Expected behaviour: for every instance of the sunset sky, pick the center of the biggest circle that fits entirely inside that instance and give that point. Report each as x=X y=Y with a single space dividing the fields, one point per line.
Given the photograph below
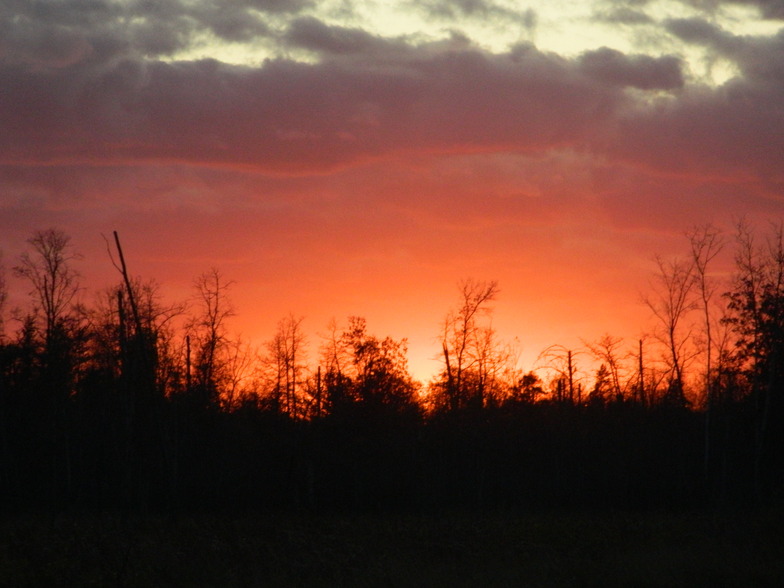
x=339 y=158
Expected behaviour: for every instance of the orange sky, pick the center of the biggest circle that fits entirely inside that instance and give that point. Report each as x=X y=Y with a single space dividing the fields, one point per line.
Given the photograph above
x=337 y=161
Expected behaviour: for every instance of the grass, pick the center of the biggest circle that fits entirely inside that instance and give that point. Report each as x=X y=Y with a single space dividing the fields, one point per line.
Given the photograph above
x=544 y=549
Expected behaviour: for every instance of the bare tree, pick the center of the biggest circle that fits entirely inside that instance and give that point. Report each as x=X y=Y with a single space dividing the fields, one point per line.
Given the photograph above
x=209 y=326
x=333 y=356
x=48 y=268
x=286 y=353
x=463 y=339
x=706 y=243
x=55 y=284
x=671 y=301
x=606 y=350
x=239 y=364
x=561 y=361
x=493 y=361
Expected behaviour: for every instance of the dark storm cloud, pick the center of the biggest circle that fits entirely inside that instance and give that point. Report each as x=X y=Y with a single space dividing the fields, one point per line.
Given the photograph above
x=638 y=71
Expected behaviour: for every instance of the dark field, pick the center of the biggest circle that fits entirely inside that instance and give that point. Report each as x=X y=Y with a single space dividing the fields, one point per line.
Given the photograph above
x=615 y=549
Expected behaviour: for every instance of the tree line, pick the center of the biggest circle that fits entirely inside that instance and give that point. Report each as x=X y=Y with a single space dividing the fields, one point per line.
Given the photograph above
x=132 y=401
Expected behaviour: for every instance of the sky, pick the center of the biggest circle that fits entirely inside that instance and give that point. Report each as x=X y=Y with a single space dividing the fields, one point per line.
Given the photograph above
x=338 y=158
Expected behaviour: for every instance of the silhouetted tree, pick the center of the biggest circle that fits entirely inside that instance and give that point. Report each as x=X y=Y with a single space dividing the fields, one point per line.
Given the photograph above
x=466 y=346
x=602 y=387
x=6 y=477
x=209 y=333
x=285 y=363
x=756 y=304
x=147 y=443
x=240 y=384
x=670 y=302
x=97 y=407
x=48 y=268
x=527 y=389
x=706 y=243
x=567 y=384
x=369 y=375
x=606 y=350
x=3 y=298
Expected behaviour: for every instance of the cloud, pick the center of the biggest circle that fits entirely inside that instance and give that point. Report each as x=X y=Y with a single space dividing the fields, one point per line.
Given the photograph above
x=623 y=15
x=461 y=8
x=760 y=59
x=458 y=11
x=734 y=132
x=286 y=115
x=770 y=9
x=276 y=6
x=637 y=71
x=699 y=31
x=55 y=34
x=310 y=33
x=773 y=9
x=92 y=94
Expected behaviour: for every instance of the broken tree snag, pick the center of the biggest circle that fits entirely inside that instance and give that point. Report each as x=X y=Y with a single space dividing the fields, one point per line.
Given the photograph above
x=126 y=279
x=141 y=347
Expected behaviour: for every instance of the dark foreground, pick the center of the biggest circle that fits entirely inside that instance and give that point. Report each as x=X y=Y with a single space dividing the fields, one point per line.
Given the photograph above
x=615 y=549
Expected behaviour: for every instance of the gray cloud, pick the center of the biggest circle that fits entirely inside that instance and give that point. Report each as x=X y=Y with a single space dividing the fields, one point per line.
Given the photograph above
x=633 y=11
x=735 y=131
x=276 y=6
x=457 y=10
x=698 y=31
x=761 y=60
x=293 y=115
x=638 y=71
x=773 y=9
x=310 y=33
x=73 y=93
x=57 y=33
x=623 y=15
x=770 y=9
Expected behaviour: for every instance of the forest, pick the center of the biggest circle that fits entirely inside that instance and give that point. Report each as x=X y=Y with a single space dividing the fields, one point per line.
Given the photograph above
x=123 y=400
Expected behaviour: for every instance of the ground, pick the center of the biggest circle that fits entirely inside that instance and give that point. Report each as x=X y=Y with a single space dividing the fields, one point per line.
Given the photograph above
x=454 y=549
